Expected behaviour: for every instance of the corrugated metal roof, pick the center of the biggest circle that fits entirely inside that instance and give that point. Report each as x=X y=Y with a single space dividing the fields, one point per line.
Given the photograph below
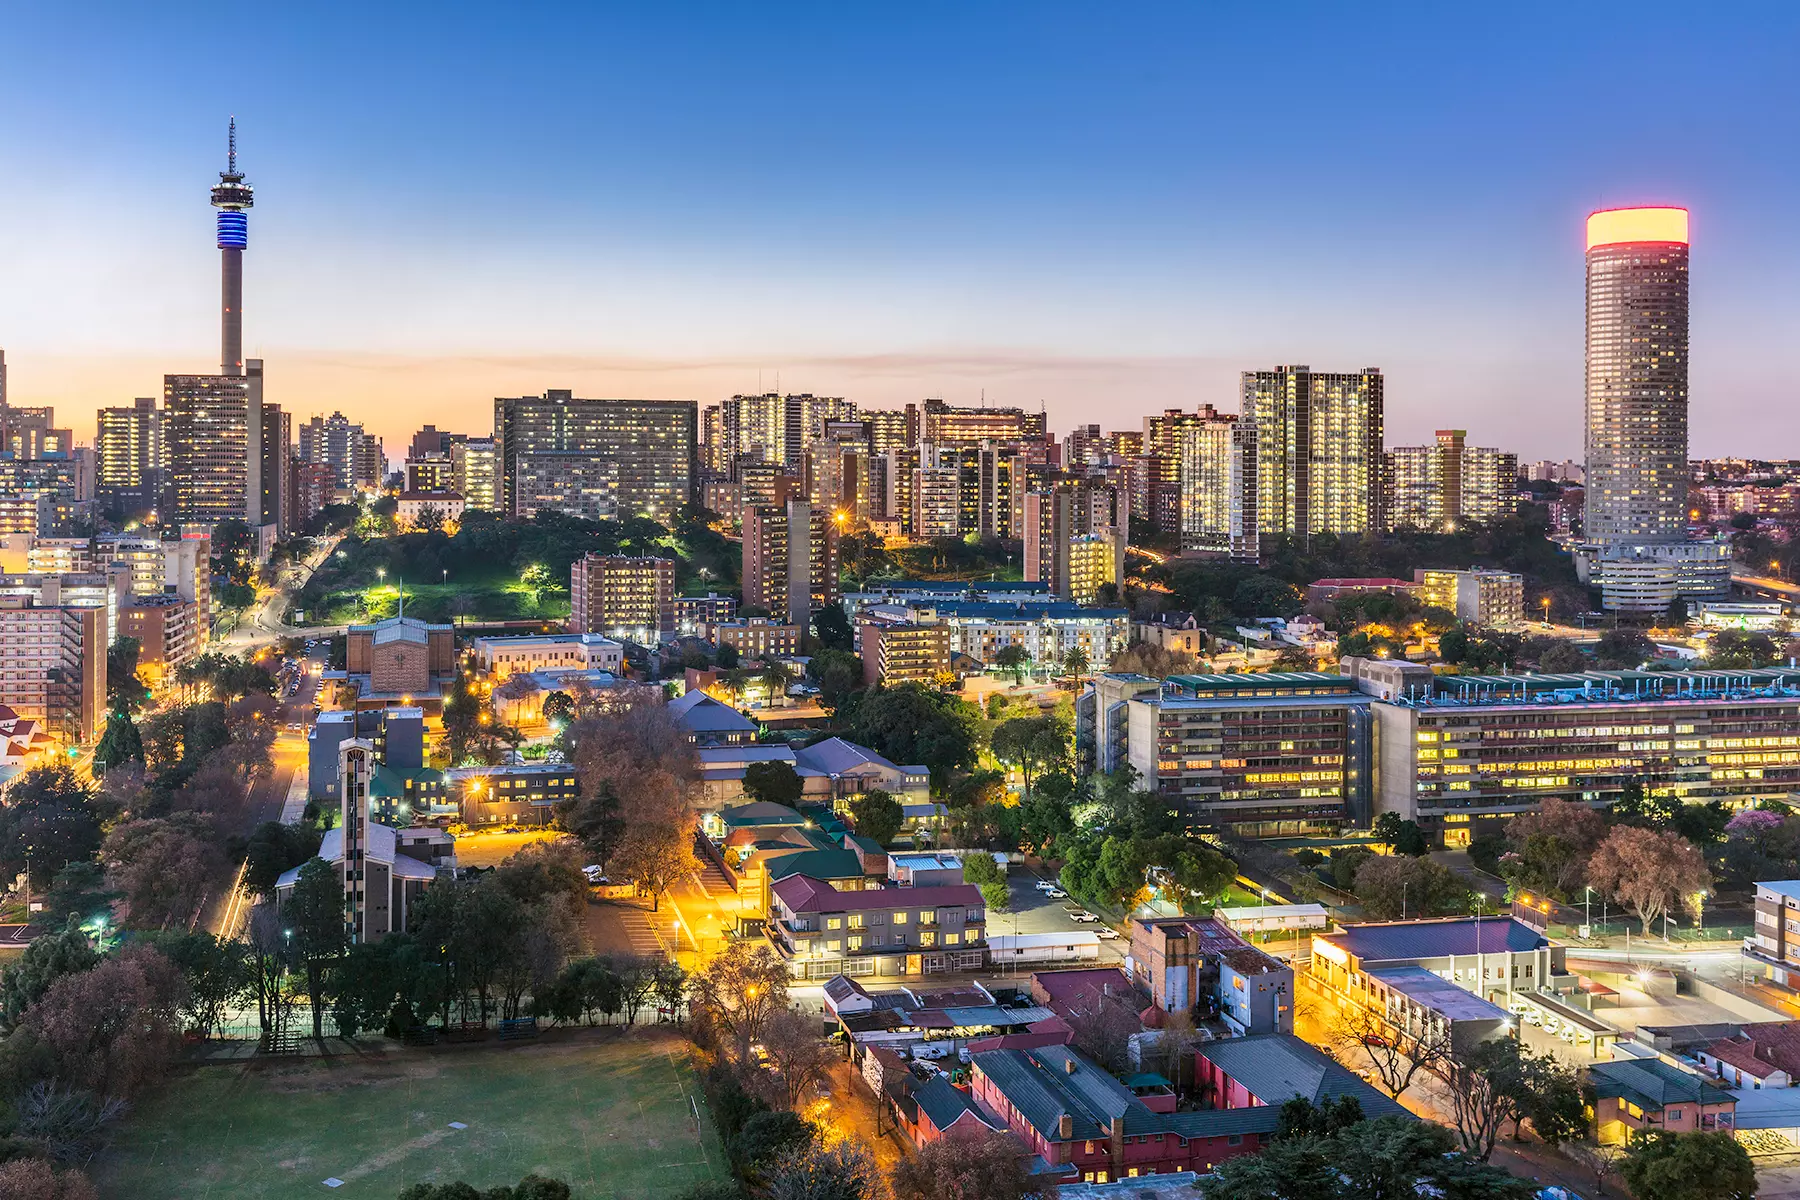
x=1403 y=941
x=1276 y=1067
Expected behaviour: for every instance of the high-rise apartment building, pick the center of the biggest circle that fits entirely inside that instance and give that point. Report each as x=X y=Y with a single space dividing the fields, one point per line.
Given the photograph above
x=276 y=476
x=623 y=597
x=1433 y=487
x=1319 y=450
x=645 y=452
x=777 y=428
x=949 y=424
x=29 y=433
x=214 y=427
x=1637 y=376
x=1064 y=551
x=433 y=441
x=131 y=459
x=790 y=560
x=1217 y=462
x=351 y=452
x=475 y=474
x=53 y=665
x=936 y=502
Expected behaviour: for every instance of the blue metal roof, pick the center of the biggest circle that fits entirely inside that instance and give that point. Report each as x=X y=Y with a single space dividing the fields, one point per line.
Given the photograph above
x=1413 y=941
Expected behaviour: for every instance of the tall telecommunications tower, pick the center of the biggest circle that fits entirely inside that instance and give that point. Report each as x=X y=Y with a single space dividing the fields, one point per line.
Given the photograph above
x=231 y=196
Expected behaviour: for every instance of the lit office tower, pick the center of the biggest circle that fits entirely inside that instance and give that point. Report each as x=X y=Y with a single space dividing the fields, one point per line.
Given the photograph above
x=557 y=452
x=1637 y=377
x=475 y=472
x=131 y=458
x=753 y=426
x=1319 y=450
x=232 y=196
x=1218 y=474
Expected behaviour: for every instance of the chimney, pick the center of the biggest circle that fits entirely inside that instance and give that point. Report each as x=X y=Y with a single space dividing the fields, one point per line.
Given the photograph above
x=1069 y=1065
x=1065 y=1127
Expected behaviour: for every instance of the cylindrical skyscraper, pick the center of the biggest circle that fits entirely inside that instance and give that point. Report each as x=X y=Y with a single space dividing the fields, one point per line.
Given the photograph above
x=1637 y=378
x=231 y=196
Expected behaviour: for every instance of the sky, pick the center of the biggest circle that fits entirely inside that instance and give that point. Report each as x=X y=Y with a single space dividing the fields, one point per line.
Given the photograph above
x=1104 y=210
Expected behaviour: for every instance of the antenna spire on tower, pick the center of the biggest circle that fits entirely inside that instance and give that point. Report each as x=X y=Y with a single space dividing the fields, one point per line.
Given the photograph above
x=231 y=147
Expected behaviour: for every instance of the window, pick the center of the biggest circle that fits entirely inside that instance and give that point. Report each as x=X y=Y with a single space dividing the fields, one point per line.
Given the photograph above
x=1236 y=1139
x=928 y=918
x=928 y=938
x=856 y=921
x=1674 y=1114
x=952 y=939
x=856 y=943
x=899 y=918
x=834 y=922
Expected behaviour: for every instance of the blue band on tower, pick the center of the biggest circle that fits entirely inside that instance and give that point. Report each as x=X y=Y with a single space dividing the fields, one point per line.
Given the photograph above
x=234 y=231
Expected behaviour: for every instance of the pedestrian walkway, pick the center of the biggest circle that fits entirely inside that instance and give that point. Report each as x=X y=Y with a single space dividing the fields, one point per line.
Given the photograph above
x=643 y=937
x=294 y=807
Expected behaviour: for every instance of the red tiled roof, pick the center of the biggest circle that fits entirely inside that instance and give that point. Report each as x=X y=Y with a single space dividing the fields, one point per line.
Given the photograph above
x=1764 y=1048
x=802 y=894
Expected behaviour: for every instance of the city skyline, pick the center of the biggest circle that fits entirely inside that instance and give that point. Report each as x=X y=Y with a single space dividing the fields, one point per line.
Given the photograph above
x=922 y=216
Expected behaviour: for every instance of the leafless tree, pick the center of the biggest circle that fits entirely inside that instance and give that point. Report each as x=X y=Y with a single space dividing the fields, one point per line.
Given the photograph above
x=1395 y=1055
x=797 y=1053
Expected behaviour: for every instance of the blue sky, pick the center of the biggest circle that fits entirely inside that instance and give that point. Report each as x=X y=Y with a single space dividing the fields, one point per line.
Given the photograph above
x=1103 y=209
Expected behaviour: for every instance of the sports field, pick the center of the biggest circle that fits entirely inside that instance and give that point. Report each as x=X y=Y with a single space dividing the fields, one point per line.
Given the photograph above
x=612 y=1114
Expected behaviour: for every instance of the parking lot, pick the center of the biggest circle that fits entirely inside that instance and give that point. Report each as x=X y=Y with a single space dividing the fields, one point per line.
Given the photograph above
x=1034 y=911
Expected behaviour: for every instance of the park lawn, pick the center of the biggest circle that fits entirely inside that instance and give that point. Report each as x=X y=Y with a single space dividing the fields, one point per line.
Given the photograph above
x=610 y=1113
x=501 y=598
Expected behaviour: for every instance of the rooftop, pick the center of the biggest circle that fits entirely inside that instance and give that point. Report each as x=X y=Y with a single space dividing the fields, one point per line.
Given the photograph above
x=1401 y=941
x=1276 y=1067
x=1439 y=994
x=1763 y=1049
x=802 y=894
x=1652 y=1083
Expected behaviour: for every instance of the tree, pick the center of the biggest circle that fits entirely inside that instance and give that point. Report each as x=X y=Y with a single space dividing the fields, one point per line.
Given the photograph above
x=120 y=743
x=833 y=628
x=1390 y=886
x=125 y=692
x=909 y=723
x=594 y=818
x=981 y=870
x=47 y=958
x=163 y=867
x=844 y=1170
x=1622 y=648
x=314 y=913
x=216 y=972
x=1485 y=1087
x=1561 y=658
x=877 y=815
x=1015 y=660
x=1649 y=872
x=49 y=816
x=838 y=673
x=558 y=707
x=768 y=1135
x=985 y=1165
x=654 y=855
x=1548 y=848
x=1396 y=1054
x=1392 y=1158
x=738 y=991
x=113 y=1029
x=1688 y=1166
x=1401 y=835
x=797 y=1052
x=1076 y=662
x=275 y=848
x=772 y=782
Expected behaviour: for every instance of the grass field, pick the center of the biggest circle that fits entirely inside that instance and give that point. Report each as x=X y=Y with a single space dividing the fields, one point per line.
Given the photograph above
x=501 y=598
x=610 y=1114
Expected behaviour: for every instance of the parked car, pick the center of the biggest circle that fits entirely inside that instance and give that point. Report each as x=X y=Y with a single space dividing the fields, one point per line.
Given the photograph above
x=1056 y=893
x=1042 y=885
x=1106 y=933
x=1085 y=917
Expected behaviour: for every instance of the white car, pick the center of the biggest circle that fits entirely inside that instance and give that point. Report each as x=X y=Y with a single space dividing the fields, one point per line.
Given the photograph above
x=1043 y=885
x=1106 y=933
x=1056 y=893
x=1085 y=917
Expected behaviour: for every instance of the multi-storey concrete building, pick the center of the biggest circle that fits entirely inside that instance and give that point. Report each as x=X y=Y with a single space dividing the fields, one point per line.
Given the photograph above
x=1480 y=597
x=756 y=637
x=131 y=459
x=1461 y=754
x=790 y=560
x=1774 y=947
x=503 y=656
x=475 y=473
x=53 y=665
x=1319 y=439
x=167 y=629
x=353 y=455
x=692 y=612
x=624 y=597
x=947 y=423
x=1065 y=550
x=896 y=651
x=1182 y=961
x=1048 y=629
x=1260 y=755
x=214 y=427
x=936 y=502
x=1217 y=485
x=822 y=932
x=644 y=451
x=1433 y=487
